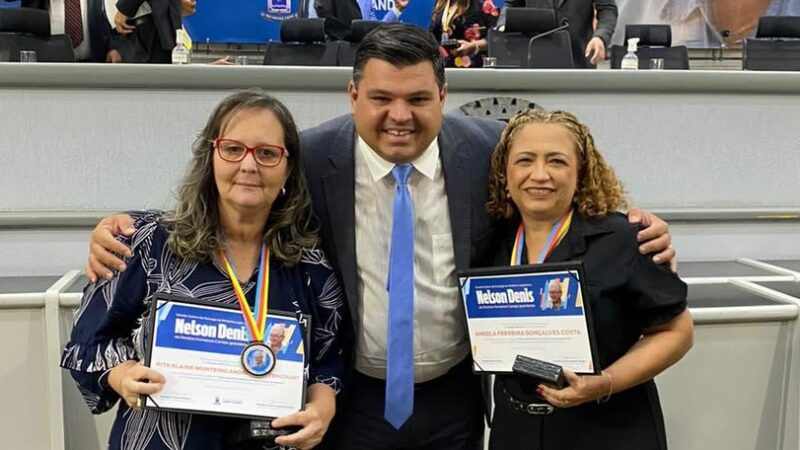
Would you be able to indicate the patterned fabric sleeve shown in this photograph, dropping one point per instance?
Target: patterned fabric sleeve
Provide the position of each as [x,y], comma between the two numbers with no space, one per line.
[327,305]
[109,311]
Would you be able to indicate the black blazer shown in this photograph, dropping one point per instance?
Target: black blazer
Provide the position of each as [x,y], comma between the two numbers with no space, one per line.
[166,17]
[339,14]
[580,14]
[99,28]
[345,11]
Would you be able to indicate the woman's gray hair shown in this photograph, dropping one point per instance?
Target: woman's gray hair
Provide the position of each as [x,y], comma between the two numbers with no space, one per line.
[194,224]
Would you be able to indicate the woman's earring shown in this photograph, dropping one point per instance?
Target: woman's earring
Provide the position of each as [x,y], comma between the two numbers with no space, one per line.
[283,190]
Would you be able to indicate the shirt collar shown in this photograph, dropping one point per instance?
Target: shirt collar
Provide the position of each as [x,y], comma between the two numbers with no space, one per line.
[426,163]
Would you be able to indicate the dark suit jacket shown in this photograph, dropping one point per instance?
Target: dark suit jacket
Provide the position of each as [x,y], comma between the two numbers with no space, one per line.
[580,14]
[166,17]
[338,15]
[99,28]
[345,11]
[465,146]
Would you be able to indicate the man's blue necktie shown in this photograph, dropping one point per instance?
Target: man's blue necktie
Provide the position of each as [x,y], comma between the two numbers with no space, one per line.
[400,284]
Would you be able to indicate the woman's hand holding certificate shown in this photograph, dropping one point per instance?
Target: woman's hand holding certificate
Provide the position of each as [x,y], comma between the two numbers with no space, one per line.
[131,380]
[581,389]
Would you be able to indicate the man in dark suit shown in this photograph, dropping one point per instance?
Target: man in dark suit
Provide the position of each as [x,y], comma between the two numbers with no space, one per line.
[397,96]
[90,34]
[341,12]
[148,28]
[588,43]
[346,11]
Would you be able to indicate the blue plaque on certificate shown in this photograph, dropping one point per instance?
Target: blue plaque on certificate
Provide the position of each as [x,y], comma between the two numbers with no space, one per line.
[204,351]
[538,311]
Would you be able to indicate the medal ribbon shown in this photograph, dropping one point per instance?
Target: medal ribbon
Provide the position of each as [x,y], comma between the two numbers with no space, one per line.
[255,324]
[448,14]
[556,235]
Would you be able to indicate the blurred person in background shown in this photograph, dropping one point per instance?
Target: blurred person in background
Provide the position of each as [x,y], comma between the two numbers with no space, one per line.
[342,12]
[589,40]
[85,23]
[466,21]
[703,23]
[146,28]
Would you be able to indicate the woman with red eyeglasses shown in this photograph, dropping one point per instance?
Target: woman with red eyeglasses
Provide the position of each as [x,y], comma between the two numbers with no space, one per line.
[242,218]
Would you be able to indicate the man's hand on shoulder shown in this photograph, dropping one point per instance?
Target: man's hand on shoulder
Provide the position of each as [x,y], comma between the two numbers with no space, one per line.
[654,238]
[105,251]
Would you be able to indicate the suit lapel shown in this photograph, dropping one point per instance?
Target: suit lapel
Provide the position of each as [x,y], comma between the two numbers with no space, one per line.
[459,197]
[339,188]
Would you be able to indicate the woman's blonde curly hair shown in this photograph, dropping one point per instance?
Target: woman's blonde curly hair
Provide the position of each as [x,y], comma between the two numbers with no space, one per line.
[598,192]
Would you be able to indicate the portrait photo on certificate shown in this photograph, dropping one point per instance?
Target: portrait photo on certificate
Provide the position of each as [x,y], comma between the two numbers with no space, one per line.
[213,366]
[537,311]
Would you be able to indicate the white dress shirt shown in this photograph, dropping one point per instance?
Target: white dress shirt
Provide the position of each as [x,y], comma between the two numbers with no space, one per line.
[83,51]
[440,337]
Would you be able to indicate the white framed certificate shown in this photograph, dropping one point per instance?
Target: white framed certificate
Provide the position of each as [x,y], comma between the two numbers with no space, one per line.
[540,311]
[204,352]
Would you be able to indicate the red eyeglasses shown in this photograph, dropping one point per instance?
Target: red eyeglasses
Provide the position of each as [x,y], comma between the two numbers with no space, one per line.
[265,155]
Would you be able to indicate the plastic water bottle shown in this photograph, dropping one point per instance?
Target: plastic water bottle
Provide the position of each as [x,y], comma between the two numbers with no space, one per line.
[180,54]
[631,61]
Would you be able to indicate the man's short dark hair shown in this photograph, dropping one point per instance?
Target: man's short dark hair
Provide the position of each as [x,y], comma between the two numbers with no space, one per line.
[400,45]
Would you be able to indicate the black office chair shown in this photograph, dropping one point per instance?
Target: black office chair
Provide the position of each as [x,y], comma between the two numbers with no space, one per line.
[358,29]
[302,44]
[25,20]
[776,45]
[778,27]
[654,42]
[29,29]
[532,39]
[650,35]
[48,48]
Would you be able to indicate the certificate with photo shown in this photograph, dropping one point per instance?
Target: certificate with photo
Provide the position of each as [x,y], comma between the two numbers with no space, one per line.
[203,349]
[538,311]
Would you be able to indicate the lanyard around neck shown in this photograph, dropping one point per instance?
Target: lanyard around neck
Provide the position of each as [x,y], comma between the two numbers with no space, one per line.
[255,323]
[558,232]
[448,14]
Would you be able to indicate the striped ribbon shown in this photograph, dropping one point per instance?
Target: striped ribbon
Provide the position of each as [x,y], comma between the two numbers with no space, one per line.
[556,235]
[255,323]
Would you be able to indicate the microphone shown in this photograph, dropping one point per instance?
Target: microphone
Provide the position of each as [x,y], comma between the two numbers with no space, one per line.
[564,25]
[725,35]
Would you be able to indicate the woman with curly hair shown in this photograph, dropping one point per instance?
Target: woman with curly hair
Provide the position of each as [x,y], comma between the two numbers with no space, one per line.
[468,22]
[547,171]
